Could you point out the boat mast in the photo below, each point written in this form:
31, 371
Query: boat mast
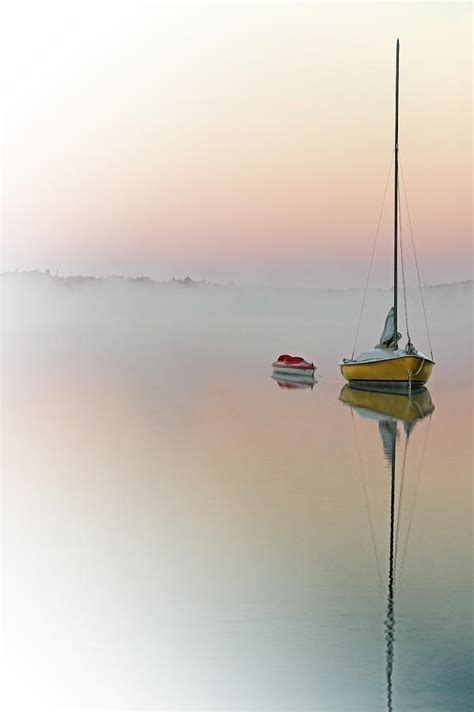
395, 213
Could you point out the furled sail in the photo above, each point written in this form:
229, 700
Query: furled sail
387, 340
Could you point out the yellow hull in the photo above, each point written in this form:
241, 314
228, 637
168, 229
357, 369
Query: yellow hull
398, 370
400, 407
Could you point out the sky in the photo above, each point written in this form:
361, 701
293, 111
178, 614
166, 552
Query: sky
235, 141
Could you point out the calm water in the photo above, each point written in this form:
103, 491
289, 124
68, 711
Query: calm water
182, 533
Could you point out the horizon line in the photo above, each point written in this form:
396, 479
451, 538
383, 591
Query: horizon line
188, 280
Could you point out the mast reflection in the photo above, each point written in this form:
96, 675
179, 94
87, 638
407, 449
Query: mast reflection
390, 410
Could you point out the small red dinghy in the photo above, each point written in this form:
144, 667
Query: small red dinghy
293, 365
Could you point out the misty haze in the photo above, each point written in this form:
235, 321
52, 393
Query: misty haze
188, 528
236, 356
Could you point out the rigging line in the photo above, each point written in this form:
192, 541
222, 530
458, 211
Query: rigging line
369, 516
420, 286
400, 496
372, 255
412, 510
402, 255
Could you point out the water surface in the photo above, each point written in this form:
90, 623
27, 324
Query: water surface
182, 533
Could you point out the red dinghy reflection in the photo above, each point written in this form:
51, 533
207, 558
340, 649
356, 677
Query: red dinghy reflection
294, 382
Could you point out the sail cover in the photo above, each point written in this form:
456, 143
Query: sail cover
387, 340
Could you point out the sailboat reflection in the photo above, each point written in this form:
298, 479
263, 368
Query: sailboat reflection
390, 409
386, 406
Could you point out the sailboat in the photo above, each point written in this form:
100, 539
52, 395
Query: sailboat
390, 409
387, 366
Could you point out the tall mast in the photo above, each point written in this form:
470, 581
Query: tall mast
395, 212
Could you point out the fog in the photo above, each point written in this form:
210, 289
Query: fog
179, 532
193, 327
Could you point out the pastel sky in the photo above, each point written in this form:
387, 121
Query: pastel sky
244, 141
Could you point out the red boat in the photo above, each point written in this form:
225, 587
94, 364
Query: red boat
293, 365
